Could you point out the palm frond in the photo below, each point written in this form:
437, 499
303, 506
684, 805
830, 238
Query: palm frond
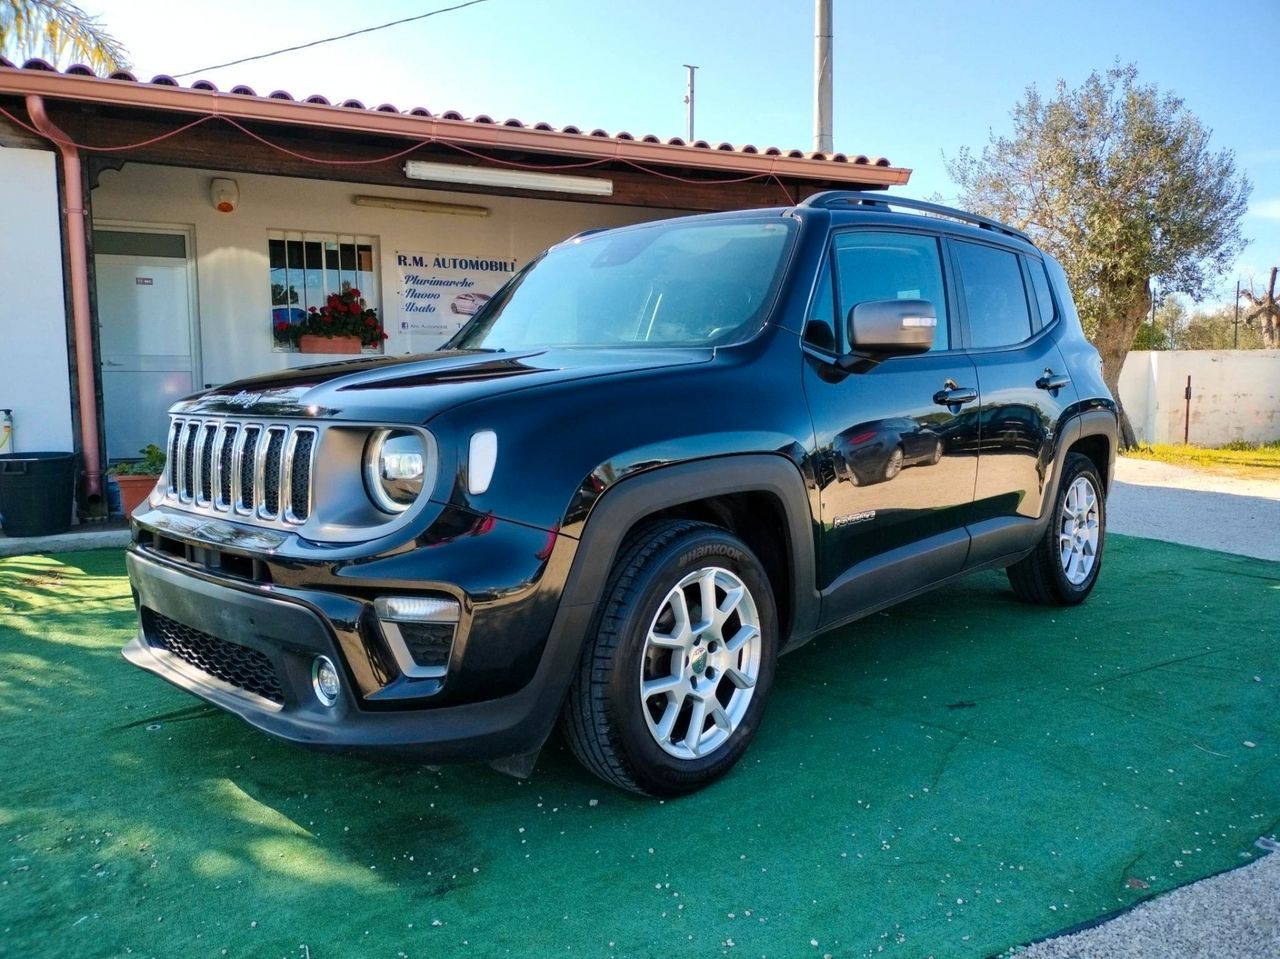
60, 32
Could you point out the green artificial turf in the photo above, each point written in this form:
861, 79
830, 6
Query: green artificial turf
950, 778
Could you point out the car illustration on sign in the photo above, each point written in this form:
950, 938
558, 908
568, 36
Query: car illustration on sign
468, 304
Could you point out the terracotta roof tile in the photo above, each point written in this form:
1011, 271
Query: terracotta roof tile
81, 70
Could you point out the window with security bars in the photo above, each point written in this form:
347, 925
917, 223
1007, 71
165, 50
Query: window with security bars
306, 268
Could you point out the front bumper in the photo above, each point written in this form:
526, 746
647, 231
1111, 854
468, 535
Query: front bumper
287, 628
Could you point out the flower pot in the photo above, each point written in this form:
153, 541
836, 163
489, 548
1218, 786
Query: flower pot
328, 344
134, 490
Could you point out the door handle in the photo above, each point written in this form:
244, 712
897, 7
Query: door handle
957, 396
1052, 381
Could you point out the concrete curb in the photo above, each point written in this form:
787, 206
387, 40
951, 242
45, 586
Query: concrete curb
64, 542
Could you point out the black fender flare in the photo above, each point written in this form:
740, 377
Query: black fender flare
1096, 422
631, 500
621, 506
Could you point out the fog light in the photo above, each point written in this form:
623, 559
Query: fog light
325, 681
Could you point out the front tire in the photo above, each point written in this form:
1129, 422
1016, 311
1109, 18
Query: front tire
675, 678
1063, 568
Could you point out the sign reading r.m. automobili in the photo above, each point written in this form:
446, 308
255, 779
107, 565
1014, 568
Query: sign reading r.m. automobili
441, 291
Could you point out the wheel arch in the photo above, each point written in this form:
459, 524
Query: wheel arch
761, 498
1096, 439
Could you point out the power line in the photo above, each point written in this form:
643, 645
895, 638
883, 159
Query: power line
316, 43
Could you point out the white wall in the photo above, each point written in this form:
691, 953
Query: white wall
34, 380
231, 248
1235, 395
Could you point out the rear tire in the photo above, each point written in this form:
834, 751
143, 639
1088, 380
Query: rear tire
893, 465
667, 698
1063, 568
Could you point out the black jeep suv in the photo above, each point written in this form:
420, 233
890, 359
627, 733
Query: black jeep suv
656, 459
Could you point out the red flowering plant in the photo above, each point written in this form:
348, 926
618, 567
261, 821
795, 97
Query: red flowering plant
344, 314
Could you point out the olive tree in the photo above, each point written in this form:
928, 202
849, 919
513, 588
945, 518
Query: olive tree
1118, 181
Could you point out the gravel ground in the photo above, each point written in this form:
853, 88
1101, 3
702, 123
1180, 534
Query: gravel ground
1235, 915
1196, 508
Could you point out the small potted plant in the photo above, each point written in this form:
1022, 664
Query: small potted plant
137, 478
345, 324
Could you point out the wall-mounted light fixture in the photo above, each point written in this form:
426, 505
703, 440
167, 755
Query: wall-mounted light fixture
513, 179
419, 206
224, 194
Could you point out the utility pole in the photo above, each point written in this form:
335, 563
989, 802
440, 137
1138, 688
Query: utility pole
823, 140
688, 98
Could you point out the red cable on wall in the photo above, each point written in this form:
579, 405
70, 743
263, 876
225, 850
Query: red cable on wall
427, 141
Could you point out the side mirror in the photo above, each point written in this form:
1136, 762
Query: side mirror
892, 327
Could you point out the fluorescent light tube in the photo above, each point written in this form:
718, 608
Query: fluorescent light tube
514, 179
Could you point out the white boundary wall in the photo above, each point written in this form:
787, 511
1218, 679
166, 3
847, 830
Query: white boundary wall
1235, 395
34, 381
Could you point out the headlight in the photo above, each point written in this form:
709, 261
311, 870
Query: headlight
396, 467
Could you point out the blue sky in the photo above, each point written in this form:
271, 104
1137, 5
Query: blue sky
914, 79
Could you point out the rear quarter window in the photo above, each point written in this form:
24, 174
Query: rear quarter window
1040, 284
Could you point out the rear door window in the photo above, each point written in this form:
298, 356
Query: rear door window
994, 294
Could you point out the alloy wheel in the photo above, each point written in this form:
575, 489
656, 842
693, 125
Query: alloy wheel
1078, 530
701, 662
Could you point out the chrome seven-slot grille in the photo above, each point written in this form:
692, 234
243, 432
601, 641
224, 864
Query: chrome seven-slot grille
250, 469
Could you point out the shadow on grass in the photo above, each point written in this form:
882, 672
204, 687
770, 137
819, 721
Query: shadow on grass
954, 776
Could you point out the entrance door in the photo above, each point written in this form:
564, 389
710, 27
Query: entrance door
145, 333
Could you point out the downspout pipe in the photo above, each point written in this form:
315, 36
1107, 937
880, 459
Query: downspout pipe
74, 215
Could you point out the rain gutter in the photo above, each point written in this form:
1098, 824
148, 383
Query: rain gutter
243, 107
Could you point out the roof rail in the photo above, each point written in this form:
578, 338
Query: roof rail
830, 199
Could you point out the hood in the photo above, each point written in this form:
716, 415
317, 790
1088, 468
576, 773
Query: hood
412, 389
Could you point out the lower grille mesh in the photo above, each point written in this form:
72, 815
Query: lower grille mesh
428, 643
232, 663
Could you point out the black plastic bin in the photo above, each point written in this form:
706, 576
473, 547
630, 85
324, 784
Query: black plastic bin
36, 493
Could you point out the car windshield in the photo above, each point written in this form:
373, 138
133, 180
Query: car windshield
676, 283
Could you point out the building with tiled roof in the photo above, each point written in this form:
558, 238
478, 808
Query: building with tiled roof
177, 227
